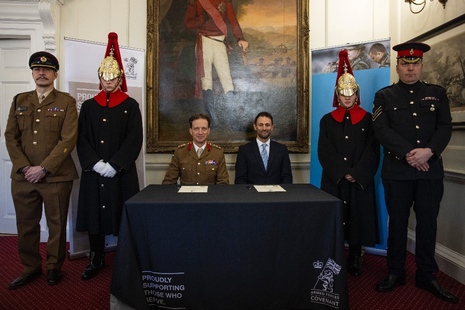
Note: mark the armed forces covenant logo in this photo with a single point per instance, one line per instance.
(323, 291)
(130, 69)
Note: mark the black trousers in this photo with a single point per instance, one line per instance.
(425, 198)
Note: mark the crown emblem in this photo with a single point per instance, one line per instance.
(317, 264)
(411, 51)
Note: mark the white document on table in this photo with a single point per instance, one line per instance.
(193, 189)
(269, 188)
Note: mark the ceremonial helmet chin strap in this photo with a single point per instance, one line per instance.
(110, 90)
(346, 86)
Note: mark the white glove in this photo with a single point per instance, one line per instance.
(108, 171)
(99, 166)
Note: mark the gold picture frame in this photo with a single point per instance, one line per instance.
(273, 76)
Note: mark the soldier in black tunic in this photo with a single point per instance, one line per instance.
(412, 121)
(349, 155)
(109, 142)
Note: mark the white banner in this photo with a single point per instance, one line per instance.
(82, 60)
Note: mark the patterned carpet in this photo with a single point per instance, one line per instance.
(73, 293)
(362, 295)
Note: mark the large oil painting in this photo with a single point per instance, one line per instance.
(445, 64)
(260, 64)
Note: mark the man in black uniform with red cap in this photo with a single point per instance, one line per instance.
(412, 121)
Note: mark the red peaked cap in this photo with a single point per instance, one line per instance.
(113, 43)
(343, 59)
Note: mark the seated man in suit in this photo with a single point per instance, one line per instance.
(263, 161)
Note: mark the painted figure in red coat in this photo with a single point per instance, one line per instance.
(211, 19)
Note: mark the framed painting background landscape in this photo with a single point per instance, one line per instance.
(271, 76)
(444, 64)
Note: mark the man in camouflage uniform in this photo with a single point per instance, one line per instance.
(198, 162)
(358, 59)
(380, 55)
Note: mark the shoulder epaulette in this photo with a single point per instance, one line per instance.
(429, 84)
(182, 145)
(387, 86)
(64, 93)
(25, 93)
(217, 146)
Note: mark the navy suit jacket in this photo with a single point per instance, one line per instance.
(250, 170)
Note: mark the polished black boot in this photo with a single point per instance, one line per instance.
(96, 257)
(96, 262)
(355, 265)
(354, 261)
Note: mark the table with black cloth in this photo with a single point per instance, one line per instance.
(231, 248)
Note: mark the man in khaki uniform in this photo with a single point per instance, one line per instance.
(41, 132)
(198, 162)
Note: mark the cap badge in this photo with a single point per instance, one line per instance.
(43, 59)
(411, 51)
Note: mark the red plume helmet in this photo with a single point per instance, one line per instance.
(345, 81)
(112, 66)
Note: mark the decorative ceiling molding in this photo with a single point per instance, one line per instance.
(45, 12)
(49, 12)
